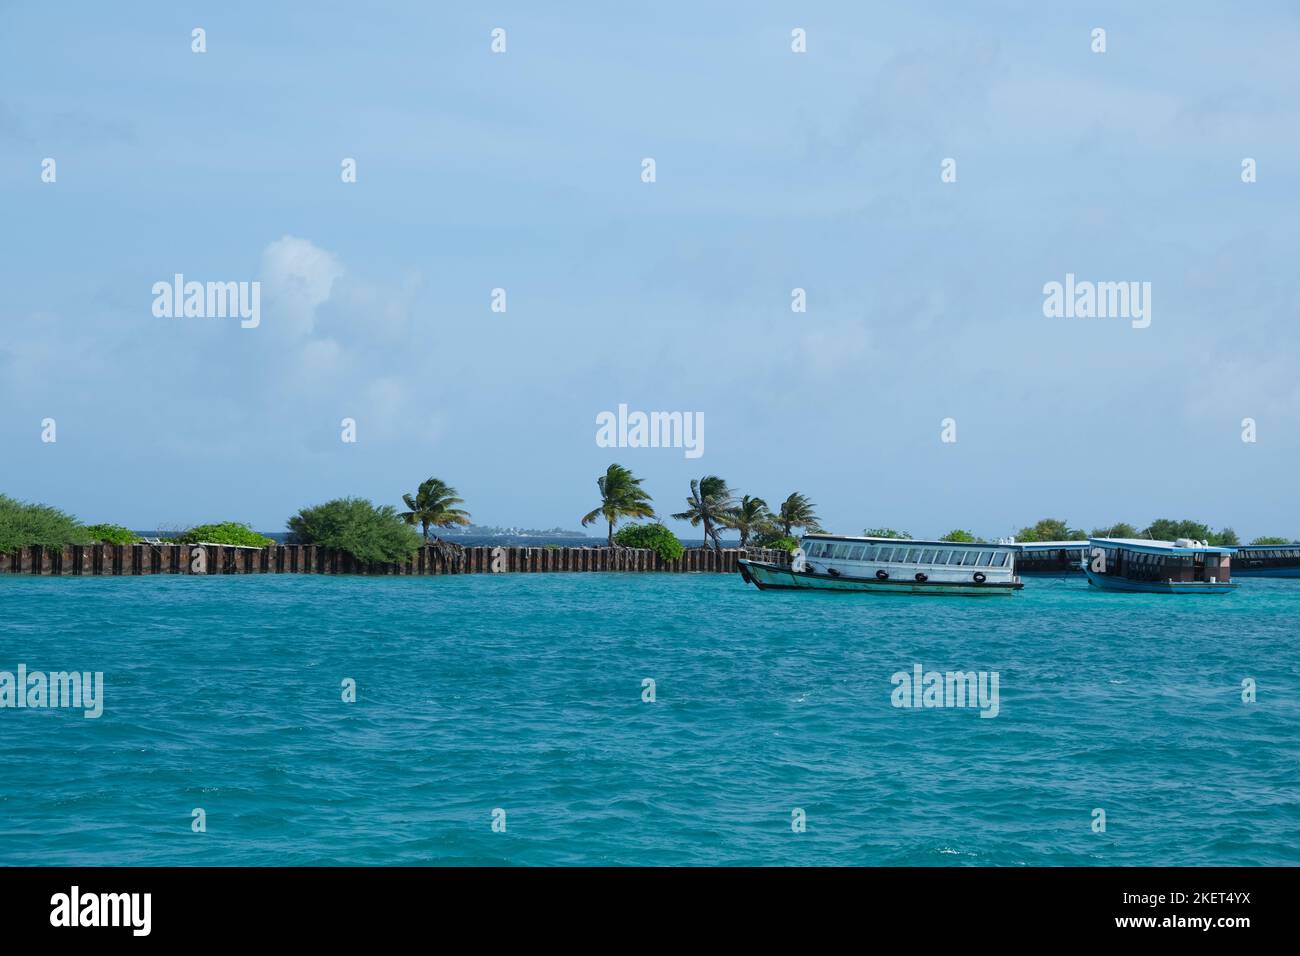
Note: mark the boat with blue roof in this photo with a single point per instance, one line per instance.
(1184, 566)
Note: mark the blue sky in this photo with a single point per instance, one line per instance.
(775, 170)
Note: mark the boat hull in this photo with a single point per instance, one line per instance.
(1265, 572)
(773, 577)
(1108, 582)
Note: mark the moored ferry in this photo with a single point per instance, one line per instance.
(1267, 561)
(826, 562)
(1050, 557)
(1159, 567)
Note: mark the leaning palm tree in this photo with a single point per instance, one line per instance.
(709, 504)
(747, 517)
(621, 496)
(434, 505)
(796, 512)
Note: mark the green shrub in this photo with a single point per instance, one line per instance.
(111, 534)
(654, 536)
(23, 525)
(781, 544)
(371, 534)
(1050, 529)
(1268, 539)
(226, 532)
(885, 533)
(962, 537)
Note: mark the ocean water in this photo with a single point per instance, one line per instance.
(524, 693)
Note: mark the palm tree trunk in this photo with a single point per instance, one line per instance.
(610, 539)
(426, 531)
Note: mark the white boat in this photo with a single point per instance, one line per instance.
(829, 562)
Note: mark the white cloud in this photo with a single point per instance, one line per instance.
(297, 279)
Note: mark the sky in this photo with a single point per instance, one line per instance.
(774, 170)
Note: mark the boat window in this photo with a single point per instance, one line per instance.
(855, 554)
(885, 553)
(870, 553)
(810, 548)
(968, 558)
(841, 550)
(910, 556)
(927, 556)
(1000, 559)
(956, 557)
(942, 557)
(985, 558)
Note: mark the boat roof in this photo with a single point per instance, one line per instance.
(1161, 547)
(1266, 547)
(1049, 545)
(823, 536)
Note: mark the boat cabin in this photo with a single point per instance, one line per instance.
(1050, 557)
(1136, 564)
(1267, 561)
(884, 559)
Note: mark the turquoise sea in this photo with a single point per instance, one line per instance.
(524, 693)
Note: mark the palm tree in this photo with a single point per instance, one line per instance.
(748, 517)
(796, 512)
(709, 504)
(621, 496)
(434, 506)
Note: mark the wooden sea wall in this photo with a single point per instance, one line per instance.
(137, 559)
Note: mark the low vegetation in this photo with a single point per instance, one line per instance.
(23, 525)
(653, 536)
(111, 534)
(372, 534)
(225, 532)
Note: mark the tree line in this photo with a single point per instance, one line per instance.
(384, 533)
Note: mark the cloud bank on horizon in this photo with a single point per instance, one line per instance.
(920, 173)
